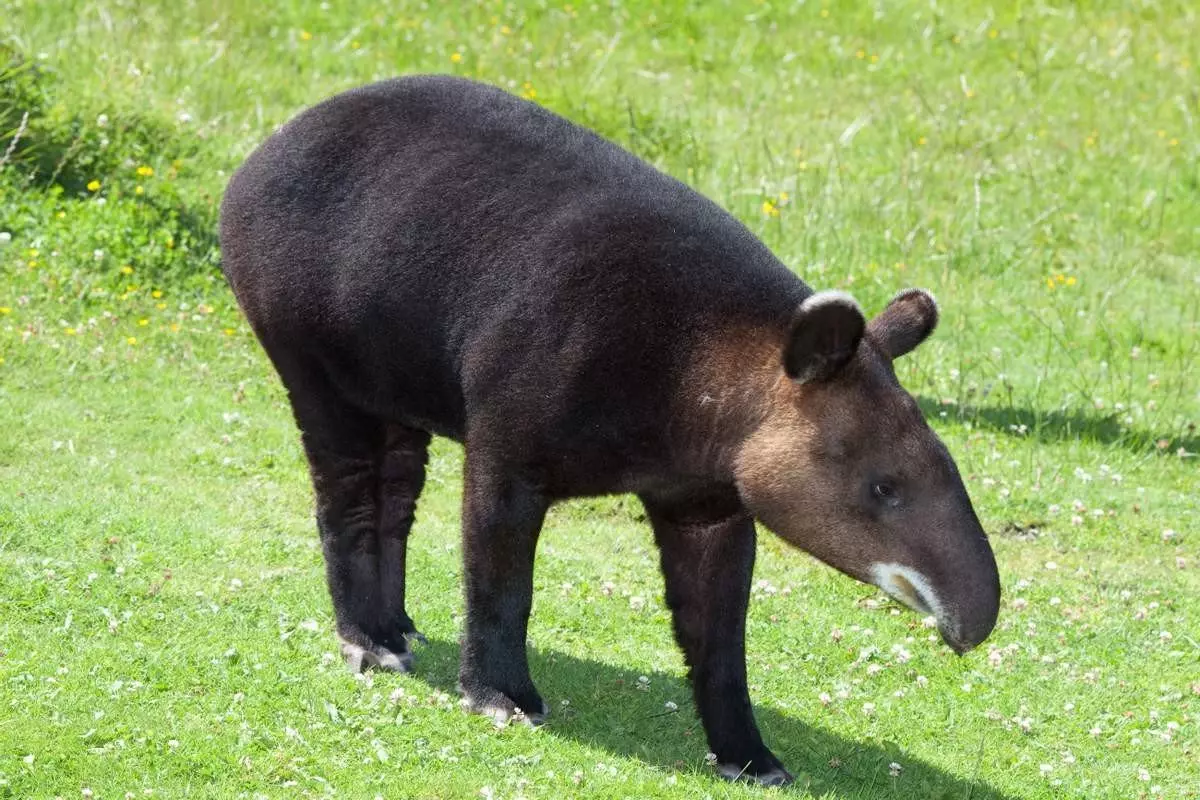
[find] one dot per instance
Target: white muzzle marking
(909, 587)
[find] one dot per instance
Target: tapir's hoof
(769, 775)
(501, 710)
(375, 656)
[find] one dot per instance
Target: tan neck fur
(723, 397)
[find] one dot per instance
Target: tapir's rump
(432, 256)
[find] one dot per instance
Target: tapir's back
(414, 233)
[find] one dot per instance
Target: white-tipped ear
(825, 333)
(905, 323)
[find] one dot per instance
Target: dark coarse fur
(448, 254)
(434, 256)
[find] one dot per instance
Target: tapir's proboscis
(432, 256)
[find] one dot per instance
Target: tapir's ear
(905, 323)
(825, 332)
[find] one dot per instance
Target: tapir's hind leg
(366, 476)
(401, 477)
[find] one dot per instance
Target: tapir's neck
(722, 398)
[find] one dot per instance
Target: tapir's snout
(970, 620)
(963, 598)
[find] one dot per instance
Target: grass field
(164, 626)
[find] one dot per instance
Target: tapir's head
(844, 467)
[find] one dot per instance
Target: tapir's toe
(502, 710)
(770, 774)
(359, 657)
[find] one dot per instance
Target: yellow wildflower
(229, 331)
(93, 186)
(1050, 284)
(305, 36)
(131, 340)
(1070, 281)
(174, 327)
(456, 57)
(126, 270)
(145, 171)
(770, 209)
(5, 310)
(69, 331)
(143, 322)
(157, 293)
(138, 190)
(160, 306)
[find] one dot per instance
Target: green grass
(164, 625)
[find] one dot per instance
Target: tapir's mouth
(908, 586)
(906, 593)
(913, 590)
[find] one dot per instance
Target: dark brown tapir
(431, 256)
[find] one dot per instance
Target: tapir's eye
(885, 493)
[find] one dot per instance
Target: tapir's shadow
(608, 708)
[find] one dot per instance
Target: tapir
(431, 256)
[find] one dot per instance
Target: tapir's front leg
(501, 520)
(706, 542)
